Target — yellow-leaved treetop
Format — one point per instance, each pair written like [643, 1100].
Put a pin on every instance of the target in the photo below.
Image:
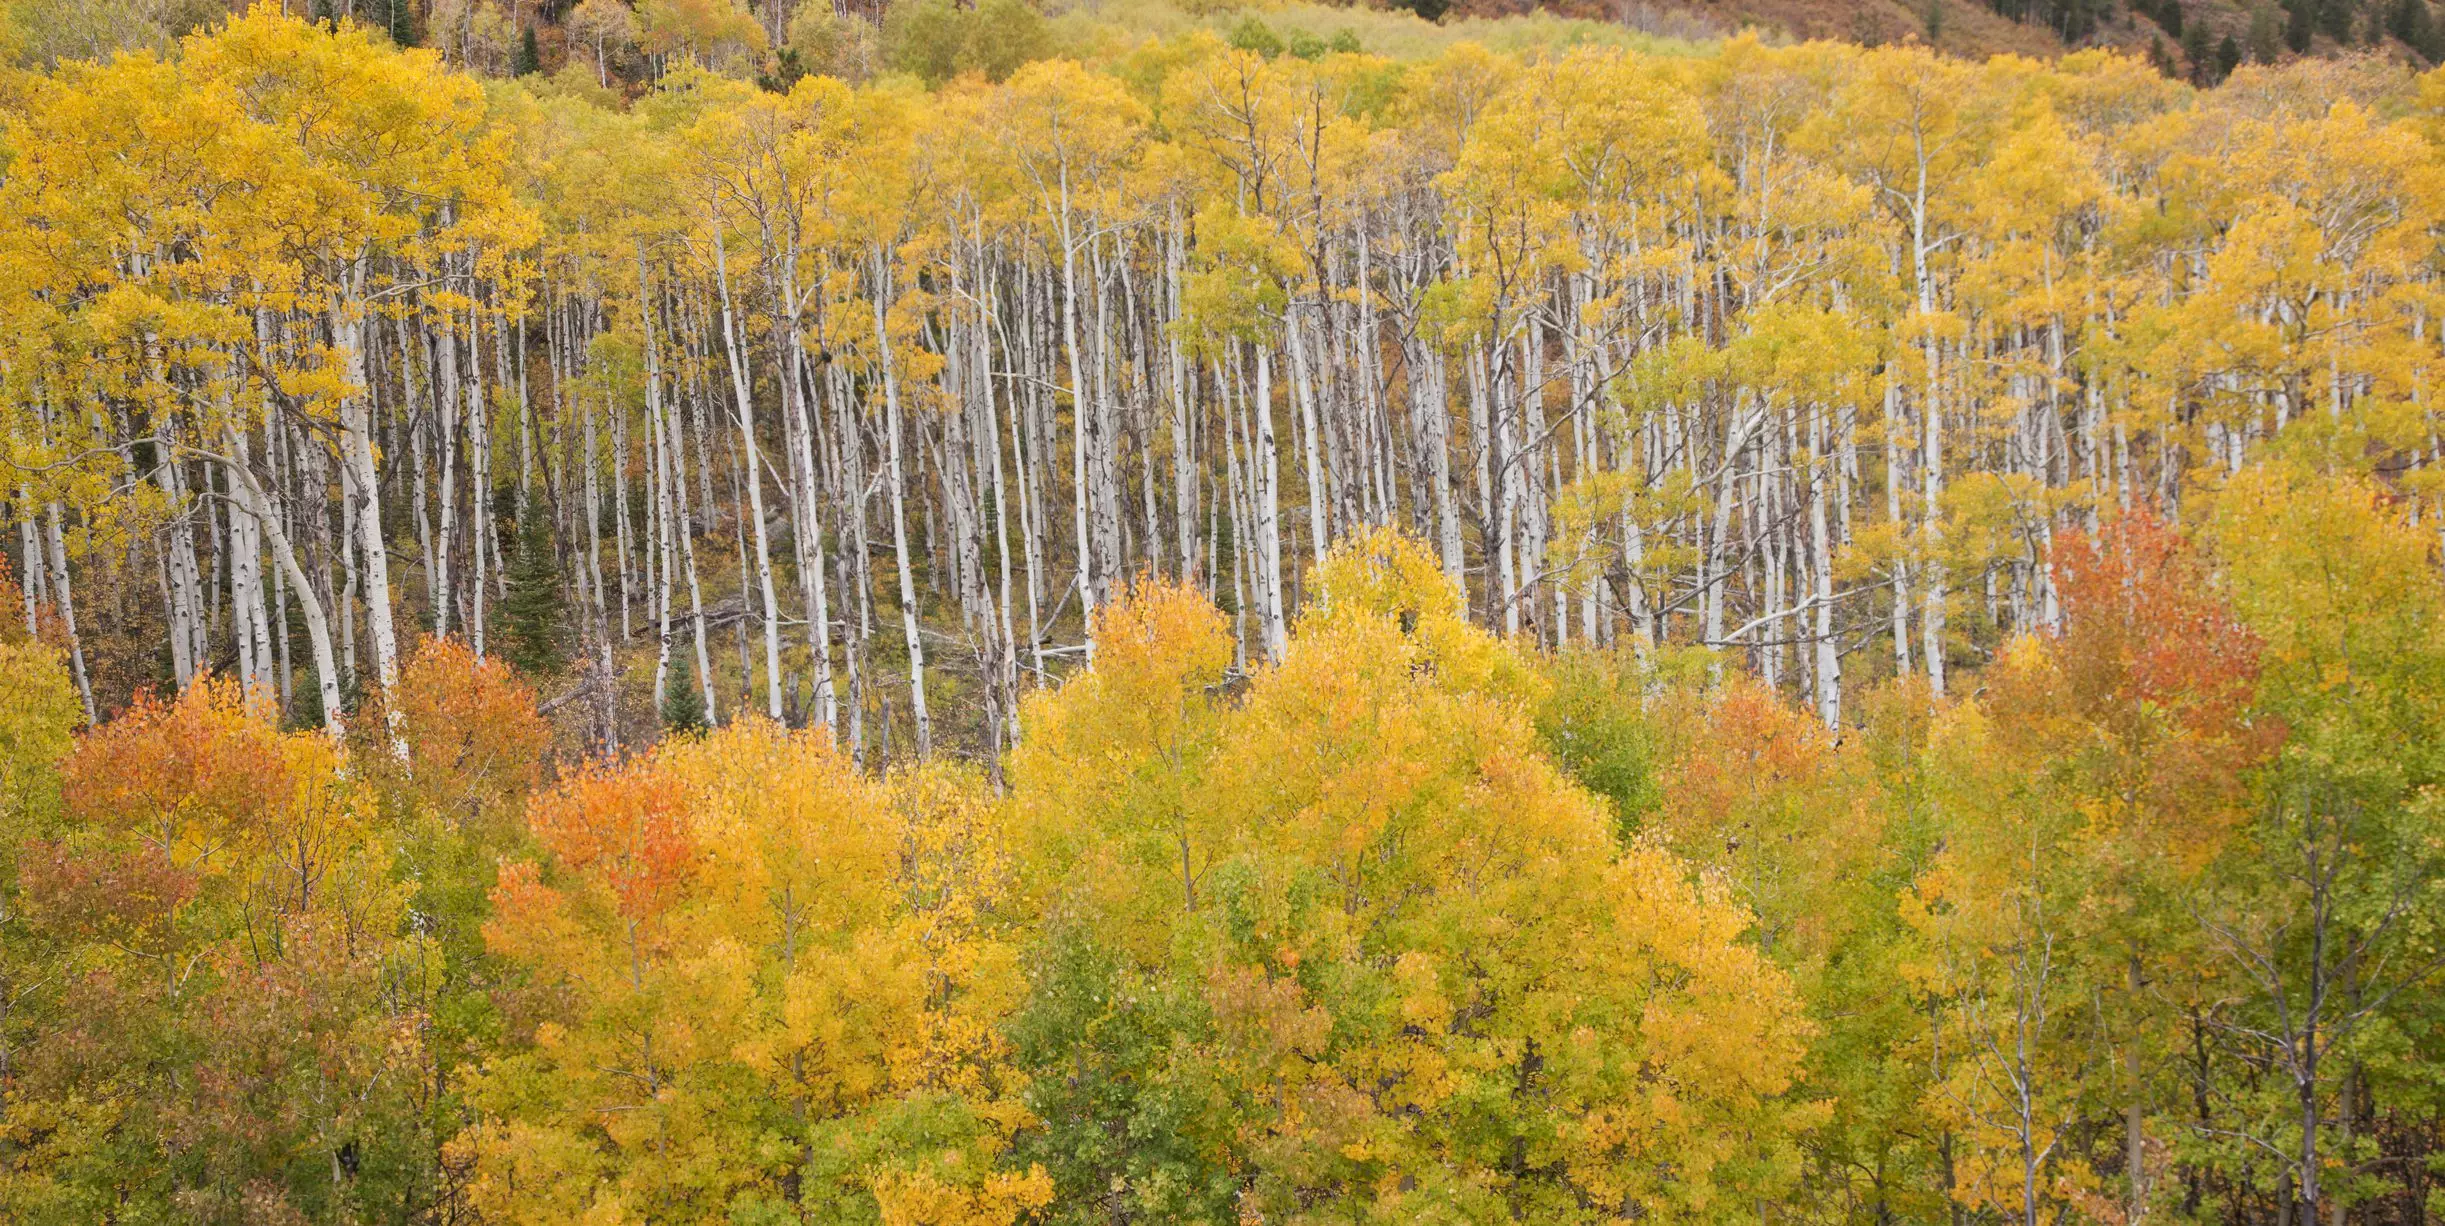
[754, 983]
[1374, 925]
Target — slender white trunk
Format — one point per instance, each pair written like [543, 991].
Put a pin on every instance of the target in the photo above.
[63, 597]
[658, 438]
[1821, 553]
[29, 549]
[898, 482]
[188, 654]
[1303, 395]
[263, 511]
[1080, 412]
[675, 447]
[483, 540]
[1184, 459]
[447, 394]
[1266, 483]
[1931, 448]
[363, 489]
[806, 501]
[755, 486]
[249, 626]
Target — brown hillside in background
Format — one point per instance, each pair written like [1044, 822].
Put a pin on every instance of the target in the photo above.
[1974, 28]
[624, 45]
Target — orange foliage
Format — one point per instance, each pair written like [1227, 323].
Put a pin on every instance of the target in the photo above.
[2144, 629]
[198, 770]
[2151, 681]
[624, 828]
[1756, 788]
[475, 742]
[128, 897]
[2129, 730]
[1750, 748]
[12, 597]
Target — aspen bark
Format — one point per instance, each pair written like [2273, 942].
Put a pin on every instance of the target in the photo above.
[896, 479]
[754, 480]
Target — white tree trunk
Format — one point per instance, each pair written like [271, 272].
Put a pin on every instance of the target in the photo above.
[754, 460]
[897, 480]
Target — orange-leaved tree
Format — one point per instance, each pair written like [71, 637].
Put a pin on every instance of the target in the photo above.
[747, 992]
[218, 914]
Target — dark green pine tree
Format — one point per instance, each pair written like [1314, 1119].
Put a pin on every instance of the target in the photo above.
[530, 60]
[683, 705]
[2300, 24]
[2195, 53]
[534, 613]
[403, 22]
[2410, 21]
[2335, 20]
[2266, 34]
[2159, 58]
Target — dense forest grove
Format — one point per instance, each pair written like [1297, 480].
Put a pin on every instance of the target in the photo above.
[1230, 629]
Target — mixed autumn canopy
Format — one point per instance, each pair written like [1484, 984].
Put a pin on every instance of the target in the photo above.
[1218, 632]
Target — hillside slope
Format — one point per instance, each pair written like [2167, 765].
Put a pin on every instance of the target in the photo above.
[2259, 29]
[620, 41]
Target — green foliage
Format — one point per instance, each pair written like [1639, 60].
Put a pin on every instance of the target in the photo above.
[2300, 23]
[1123, 1114]
[2347, 841]
[925, 38]
[2266, 32]
[1353, 936]
[38, 709]
[1595, 724]
[49, 31]
[683, 704]
[2412, 22]
[534, 615]
[828, 44]
[220, 909]
[2336, 19]
[936, 40]
[1255, 36]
